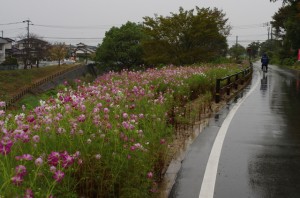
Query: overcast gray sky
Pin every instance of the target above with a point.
(74, 21)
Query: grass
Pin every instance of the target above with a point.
(13, 81)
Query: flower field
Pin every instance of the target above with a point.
(104, 139)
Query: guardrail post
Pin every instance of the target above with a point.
(228, 86)
(236, 81)
(218, 88)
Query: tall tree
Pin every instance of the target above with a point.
(58, 52)
(237, 52)
(32, 50)
(253, 49)
(122, 46)
(286, 22)
(186, 37)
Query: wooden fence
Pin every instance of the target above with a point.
(228, 83)
(37, 83)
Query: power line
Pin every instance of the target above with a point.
(93, 38)
(76, 27)
(244, 41)
(248, 35)
(10, 23)
(259, 25)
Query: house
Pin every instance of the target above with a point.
(5, 48)
(83, 51)
(31, 51)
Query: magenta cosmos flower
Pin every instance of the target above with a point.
(28, 193)
(5, 145)
(58, 175)
(17, 180)
(53, 158)
(21, 170)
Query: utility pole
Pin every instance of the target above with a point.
(236, 41)
(27, 21)
(271, 32)
(267, 24)
(2, 34)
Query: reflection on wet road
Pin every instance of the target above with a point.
(261, 152)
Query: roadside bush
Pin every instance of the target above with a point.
(288, 61)
(10, 61)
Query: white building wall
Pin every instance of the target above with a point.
(2, 52)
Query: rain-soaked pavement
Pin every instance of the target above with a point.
(260, 156)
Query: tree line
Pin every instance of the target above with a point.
(286, 22)
(186, 37)
(196, 35)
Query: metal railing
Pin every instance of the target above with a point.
(228, 83)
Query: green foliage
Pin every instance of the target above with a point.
(221, 60)
(121, 46)
(10, 61)
(253, 49)
(288, 61)
(286, 23)
(237, 52)
(58, 52)
(187, 37)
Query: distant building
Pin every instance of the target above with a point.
(31, 51)
(82, 51)
(5, 48)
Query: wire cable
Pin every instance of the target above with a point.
(10, 23)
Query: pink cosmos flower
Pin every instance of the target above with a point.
(25, 138)
(76, 154)
(79, 161)
(5, 145)
(17, 180)
(125, 115)
(132, 148)
(28, 193)
(96, 110)
(81, 118)
(162, 141)
(30, 118)
(67, 160)
(38, 161)
(21, 170)
(58, 176)
(27, 157)
(141, 115)
(52, 169)
(83, 108)
(149, 175)
(36, 138)
(2, 104)
(125, 125)
(106, 110)
(2, 113)
(53, 158)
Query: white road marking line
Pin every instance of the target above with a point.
(209, 179)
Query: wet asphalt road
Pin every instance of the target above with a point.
(260, 156)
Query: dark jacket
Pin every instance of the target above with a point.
(264, 60)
